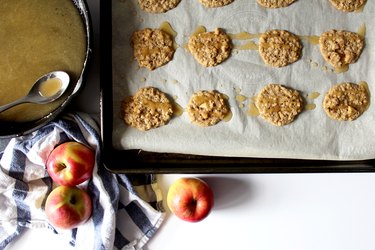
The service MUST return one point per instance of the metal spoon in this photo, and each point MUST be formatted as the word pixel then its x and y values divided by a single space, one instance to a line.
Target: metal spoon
pixel 40 92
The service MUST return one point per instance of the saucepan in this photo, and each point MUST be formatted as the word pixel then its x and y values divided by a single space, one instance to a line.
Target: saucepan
pixel 14 128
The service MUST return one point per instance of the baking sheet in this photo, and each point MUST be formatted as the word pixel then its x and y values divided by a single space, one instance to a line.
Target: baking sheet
pixel 312 136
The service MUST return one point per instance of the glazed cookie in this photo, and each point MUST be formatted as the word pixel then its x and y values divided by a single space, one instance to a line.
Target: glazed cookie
pixel 279 48
pixel 346 101
pixel 206 108
pixel 149 108
pixel 152 48
pixel 348 5
pixel 275 3
pixel 215 3
pixel 340 48
pixel 210 48
pixel 279 105
pixel 158 6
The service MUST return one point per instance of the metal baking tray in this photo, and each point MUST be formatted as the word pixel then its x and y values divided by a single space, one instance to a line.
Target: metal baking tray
pixel 138 161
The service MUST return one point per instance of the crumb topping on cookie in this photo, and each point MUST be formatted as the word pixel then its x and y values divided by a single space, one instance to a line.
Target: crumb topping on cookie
pixel 206 108
pixel 279 105
pixel 215 3
pixel 348 5
pixel 152 48
pixel 346 101
pixel 279 48
pixel 340 47
pixel 158 6
pixel 275 3
pixel 148 108
pixel 210 48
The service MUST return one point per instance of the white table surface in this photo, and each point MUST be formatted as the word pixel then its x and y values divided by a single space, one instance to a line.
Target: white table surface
pixel 253 211
pixel 265 212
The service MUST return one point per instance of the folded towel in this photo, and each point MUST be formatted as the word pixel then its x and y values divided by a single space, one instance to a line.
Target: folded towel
pixel 127 209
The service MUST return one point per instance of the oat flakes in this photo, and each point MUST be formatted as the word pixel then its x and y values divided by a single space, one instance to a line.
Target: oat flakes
pixel 275 3
pixel 158 6
pixel 149 108
pixel 210 48
pixel 152 48
pixel 348 5
pixel 279 105
pixel 346 101
pixel 279 48
pixel 206 108
pixel 215 3
pixel 340 48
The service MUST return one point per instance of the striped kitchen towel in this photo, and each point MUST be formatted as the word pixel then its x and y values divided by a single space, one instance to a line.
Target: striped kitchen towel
pixel 127 209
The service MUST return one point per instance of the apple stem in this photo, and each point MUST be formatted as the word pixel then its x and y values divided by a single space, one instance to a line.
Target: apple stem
pixel 73 200
pixel 60 167
pixel 192 204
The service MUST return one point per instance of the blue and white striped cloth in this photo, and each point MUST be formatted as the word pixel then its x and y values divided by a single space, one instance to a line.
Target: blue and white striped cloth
pixel 127 209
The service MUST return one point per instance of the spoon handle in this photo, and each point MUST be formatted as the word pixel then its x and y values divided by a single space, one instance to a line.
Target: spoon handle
pixel 12 104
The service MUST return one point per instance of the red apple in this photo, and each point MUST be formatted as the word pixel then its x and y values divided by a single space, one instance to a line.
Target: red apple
pixel 71 163
pixel 68 207
pixel 190 199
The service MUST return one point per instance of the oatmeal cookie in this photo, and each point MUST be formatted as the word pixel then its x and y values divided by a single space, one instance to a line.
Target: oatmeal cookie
pixel 148 108
pixel 346 101
pixel 158 6
pixel 340 48
pixel 279 105
pixel 210 48
pixel 275 3
pixel 215 3
pixel 152 47
pixel 348 5
pixel 206 108
pixel 279 48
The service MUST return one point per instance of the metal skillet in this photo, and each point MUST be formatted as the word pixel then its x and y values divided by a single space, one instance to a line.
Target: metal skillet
pixel 13 129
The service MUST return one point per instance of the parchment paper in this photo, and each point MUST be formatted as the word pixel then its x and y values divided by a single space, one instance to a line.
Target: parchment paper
pixel 311 136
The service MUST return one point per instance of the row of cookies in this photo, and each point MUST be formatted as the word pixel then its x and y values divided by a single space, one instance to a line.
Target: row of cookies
pixel 279 105
pixel 343 5
pixel 151 108
pixel 161 6
pixel 153 48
